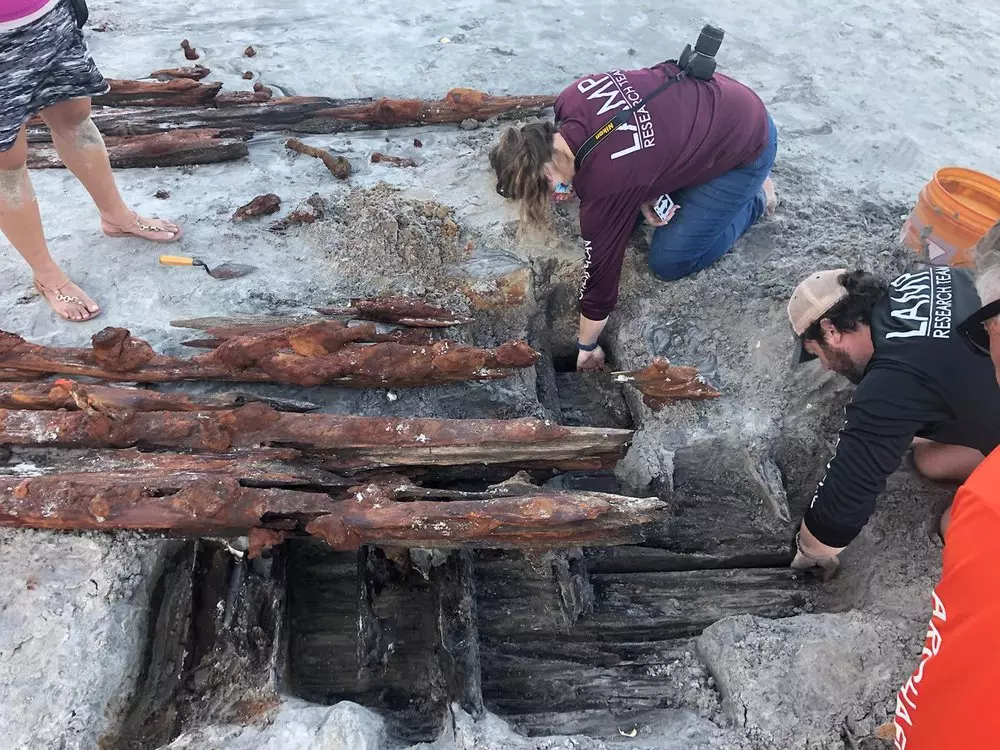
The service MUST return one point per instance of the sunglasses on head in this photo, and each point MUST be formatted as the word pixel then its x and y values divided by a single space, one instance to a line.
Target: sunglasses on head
pixel 973 328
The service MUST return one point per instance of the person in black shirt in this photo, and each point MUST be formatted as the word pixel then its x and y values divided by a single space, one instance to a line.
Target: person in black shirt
pixel 920 384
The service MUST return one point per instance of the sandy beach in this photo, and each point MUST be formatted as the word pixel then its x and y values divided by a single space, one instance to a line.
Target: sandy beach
pixel 869 99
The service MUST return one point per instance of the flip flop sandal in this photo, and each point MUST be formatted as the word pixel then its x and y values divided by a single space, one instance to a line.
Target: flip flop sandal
pixel 138 229
pixel 65 298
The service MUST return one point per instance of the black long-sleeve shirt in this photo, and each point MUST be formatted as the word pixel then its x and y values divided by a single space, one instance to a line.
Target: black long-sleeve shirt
pixel 923 380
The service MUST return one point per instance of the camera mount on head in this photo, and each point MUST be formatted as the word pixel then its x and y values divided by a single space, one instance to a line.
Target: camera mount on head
pixel 700 62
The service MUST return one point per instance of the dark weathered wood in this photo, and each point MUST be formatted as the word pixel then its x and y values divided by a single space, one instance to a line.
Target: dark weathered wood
pixel 322 353
pixel 393 665
pixel 761 554
pixel 635 606
pixel 590 398
pixel 303 114
pixel 176 92
pixel 665 605
pixel 538 521
pixel 215 634
pixel 458 631
pixel 345 442
pixel 536 683
pixel 550 672
pixel 174 149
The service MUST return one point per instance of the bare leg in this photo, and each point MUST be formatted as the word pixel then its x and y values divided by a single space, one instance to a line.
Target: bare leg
pixel 770 196
pixel 945 463
pixel 945 522
pixel 21 223
pixel 81 149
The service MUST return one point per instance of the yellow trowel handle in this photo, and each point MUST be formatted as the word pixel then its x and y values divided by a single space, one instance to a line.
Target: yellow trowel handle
pixel 179 260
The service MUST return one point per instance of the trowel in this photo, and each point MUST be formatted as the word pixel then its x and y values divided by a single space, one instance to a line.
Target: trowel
pixel 225 271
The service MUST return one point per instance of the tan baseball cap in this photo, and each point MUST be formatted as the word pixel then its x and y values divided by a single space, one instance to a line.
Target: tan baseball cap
pixel 811 300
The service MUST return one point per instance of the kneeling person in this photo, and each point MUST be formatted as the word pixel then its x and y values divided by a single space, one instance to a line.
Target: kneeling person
pixel 919 383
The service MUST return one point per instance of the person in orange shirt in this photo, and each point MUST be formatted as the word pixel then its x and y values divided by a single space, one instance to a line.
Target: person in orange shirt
pixel 951 699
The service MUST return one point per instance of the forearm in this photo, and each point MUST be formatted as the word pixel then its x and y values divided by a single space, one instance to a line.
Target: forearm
pixel 810 546
pixel 590 330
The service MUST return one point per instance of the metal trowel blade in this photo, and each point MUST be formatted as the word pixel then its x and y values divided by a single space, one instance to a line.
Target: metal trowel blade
pixel 231 271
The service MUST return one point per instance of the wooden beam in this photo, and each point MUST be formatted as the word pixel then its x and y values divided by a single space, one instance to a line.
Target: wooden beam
pixel 458 631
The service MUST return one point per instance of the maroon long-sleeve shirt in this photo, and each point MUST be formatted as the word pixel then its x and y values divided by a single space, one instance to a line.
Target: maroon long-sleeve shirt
pixel 688 135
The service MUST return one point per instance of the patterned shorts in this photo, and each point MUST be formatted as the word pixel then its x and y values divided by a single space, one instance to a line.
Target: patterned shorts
pixel 41 64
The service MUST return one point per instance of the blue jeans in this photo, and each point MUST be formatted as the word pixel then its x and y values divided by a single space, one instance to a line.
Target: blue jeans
pixel 712 217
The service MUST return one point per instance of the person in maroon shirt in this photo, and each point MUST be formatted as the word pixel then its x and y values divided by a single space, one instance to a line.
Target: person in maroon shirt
pixel 709 144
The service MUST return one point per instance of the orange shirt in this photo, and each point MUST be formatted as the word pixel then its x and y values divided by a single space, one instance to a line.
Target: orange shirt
pixel 952 699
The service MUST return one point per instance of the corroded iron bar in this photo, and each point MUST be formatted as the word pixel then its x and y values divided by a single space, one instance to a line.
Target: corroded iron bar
pixel 177 92
pixel 403 311
pixel 343 442
pixel 312 114
pixel 173 149
pixel 68 394
pixel 545 520
pixel 220 329
pixel 318 354
pixel 661 382
pixel 183 502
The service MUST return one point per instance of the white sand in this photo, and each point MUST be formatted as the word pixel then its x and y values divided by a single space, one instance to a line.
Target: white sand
pixel 869 99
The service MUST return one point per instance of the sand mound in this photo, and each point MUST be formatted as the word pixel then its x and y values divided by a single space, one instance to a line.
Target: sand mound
pixel 385 243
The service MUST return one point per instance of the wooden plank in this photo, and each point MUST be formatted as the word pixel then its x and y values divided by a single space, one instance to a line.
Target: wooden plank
pixel 393 667
pixel 458 631
pixel 550 672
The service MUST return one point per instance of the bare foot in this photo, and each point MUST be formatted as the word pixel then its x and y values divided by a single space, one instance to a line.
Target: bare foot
pixel 771 197
pixel 155 230
pixel 69 301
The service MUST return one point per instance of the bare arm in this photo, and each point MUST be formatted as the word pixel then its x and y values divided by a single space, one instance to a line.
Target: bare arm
pixel 590 332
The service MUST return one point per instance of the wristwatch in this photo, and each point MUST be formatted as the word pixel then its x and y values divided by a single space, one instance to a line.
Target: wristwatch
pixel 587 347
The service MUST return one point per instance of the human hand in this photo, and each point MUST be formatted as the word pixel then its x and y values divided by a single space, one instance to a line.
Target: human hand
pixel 652 219
pixel 812 553
pixel 590 360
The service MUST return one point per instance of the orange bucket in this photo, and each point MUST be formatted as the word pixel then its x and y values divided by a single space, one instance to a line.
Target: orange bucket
pixel 955 209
